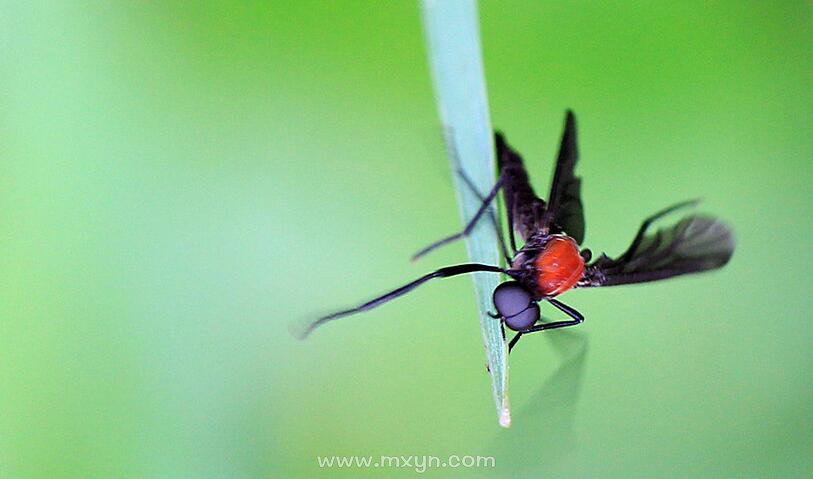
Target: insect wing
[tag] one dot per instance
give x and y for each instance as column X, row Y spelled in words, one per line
column 696, row 243
column 565, row 213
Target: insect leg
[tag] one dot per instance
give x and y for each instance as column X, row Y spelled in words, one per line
column 440, row 273
column 494, row 221
column 448, row 137
column 577, row 319
column 513, row 342
column 469, row 227
column 577, row 316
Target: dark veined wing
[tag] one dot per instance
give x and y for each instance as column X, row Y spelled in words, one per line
column 695, row 244
column 564, row 213
column 524, row 209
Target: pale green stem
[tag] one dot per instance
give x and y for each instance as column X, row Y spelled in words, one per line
column 453, row 39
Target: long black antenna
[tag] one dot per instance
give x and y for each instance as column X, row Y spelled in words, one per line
column 440, row 273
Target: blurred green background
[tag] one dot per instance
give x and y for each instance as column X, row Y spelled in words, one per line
column 178, row 181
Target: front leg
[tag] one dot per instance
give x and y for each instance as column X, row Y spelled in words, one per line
column 577, row 319
column 494, row 220
column 484, row 207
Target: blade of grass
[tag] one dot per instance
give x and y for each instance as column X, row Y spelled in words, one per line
column 453, row 39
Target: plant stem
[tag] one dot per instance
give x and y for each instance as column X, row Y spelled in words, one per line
column 453, row 39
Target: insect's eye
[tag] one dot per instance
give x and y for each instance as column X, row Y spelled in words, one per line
column 524, row 319
column 511, row 298
column 515, row 305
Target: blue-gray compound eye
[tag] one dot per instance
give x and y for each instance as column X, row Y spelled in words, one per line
column 511, row 298
column 524, row 319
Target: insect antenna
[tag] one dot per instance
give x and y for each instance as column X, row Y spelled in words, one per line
column 448, row 271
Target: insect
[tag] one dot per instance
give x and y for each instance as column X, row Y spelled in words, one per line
column 551, row 260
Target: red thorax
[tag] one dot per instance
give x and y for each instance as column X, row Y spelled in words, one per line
column 559, row 266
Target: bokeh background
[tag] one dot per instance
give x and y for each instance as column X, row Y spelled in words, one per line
column 179, row 181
